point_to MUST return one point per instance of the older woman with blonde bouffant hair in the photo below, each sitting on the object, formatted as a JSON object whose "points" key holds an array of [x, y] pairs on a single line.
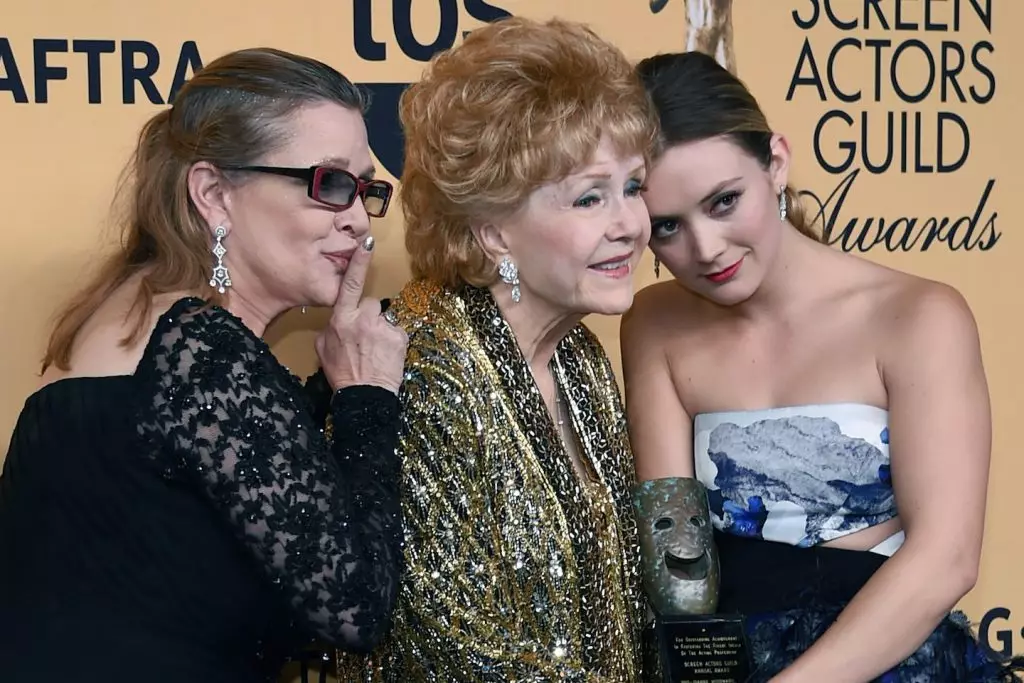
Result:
{"points": [[526, 150]]}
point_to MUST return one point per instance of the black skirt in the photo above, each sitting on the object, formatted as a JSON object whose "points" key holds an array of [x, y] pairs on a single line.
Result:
{"points": [[790, 596]]}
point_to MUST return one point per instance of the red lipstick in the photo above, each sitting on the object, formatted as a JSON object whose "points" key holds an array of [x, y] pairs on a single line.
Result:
{"points": [[726, 274]]}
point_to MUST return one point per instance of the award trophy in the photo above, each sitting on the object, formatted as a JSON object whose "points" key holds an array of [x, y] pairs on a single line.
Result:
{"points": [[680, 577]]}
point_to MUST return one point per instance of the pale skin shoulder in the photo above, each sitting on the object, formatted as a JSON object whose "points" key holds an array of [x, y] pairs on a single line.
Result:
{"points": [[931, 365], [98, 350], [939, 420], [661, 432], [940, 423]]}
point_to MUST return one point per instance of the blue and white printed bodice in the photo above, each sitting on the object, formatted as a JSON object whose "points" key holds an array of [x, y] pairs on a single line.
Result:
{"points": [[800, 475]]}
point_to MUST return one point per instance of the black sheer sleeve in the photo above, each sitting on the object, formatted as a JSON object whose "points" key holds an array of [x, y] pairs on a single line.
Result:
{"points": [[318, 391], [326, 527]]}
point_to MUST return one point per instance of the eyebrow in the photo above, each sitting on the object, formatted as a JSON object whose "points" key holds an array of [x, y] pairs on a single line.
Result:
{"points": [[708, 197], [342, 162], [718, 188], [339, 161], [604, 175]]}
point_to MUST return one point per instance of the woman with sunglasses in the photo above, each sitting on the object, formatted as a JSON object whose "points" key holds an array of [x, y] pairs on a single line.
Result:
{"points": [[169, 503]]}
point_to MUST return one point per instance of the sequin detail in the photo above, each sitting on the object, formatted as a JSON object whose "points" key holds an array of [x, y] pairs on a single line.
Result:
{"points": [[323, 523], [518, 568]]}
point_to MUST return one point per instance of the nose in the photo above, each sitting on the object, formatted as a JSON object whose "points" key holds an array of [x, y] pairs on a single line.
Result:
{"points": [[354, 220], [707, 242], [628, 222]]}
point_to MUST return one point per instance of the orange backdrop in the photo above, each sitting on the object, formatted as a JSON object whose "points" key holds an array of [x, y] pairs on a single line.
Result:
{"points": [[902, 115]]}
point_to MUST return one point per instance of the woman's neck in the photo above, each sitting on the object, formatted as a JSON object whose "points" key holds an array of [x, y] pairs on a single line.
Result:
{"points": [[257, 318], [785, 283], [538, 327]]}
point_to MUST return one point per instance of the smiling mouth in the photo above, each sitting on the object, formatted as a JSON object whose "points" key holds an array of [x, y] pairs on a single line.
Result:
{"points": [[723, 275], [611, 265], [615, 267], [688, 569]]}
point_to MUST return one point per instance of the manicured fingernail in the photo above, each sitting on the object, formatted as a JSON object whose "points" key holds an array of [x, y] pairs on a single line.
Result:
{"points": [[368, 243]]}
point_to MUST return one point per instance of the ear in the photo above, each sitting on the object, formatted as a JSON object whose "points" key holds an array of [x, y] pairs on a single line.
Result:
{"points": [[779, 168], [208, 190], [491, 238]]}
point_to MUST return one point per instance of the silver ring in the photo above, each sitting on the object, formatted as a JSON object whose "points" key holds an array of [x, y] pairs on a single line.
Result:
{"points": [[389, 315]]}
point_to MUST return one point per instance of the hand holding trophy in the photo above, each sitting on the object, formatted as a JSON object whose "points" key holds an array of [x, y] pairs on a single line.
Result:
{"points": [[681, 580]]}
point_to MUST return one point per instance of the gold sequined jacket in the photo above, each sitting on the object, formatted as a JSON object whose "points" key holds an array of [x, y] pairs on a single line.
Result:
{"points": [[517, 570]]}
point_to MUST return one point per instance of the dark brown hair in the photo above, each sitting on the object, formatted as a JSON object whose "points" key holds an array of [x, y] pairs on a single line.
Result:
{"points": [[696, 98], [230, 113]]}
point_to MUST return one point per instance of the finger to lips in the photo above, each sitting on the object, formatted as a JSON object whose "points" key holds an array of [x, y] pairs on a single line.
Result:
{"points": [[351, 290]]}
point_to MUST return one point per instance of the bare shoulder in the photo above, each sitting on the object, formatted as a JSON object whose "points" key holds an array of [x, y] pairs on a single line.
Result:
{"points": [[652, 299], [657, 310], [100, 348], [901, 303], [916, 305], [918, 315]]}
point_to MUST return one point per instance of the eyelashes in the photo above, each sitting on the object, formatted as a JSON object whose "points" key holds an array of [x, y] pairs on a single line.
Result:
{"points": [[721, 206], [664, 229], [632, 189], [725, 202]]}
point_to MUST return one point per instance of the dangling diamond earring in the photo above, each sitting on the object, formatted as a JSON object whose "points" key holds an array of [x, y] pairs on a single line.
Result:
{"points": [[302, 310], [783, 208], [221, 278], [657, 267], [510, 276]]}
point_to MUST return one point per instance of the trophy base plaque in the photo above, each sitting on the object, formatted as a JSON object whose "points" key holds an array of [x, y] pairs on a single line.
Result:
{"points": [[702, 649]]}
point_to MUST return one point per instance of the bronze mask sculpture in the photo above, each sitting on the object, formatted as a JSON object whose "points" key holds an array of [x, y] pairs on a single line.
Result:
{"points": [[680, 563]]}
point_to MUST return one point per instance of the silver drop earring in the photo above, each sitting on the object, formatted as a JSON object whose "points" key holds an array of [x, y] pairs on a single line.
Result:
{"points": [[510, 276], [783, 205], [221, 278], [303, 310], [657, 267]]}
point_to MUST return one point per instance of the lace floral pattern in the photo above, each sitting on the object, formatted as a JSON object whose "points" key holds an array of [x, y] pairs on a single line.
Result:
{"points": [[324, 523]]}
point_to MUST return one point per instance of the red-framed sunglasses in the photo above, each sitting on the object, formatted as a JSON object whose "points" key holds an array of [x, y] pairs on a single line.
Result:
{"points": [[335, 187]]}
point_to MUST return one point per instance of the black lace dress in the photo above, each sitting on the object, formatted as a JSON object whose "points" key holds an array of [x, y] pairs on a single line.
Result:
{"points": [[189, 522]]}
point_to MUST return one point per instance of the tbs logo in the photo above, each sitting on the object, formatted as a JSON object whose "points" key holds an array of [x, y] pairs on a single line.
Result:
{"points": [[382, 124]]}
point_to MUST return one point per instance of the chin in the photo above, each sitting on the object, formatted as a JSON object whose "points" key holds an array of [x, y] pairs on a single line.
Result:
{"points": [[728, 296], [611, 304], [325, 294]]}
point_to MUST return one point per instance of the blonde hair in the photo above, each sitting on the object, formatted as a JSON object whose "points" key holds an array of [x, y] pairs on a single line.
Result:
{"points": [[518, 104]]}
